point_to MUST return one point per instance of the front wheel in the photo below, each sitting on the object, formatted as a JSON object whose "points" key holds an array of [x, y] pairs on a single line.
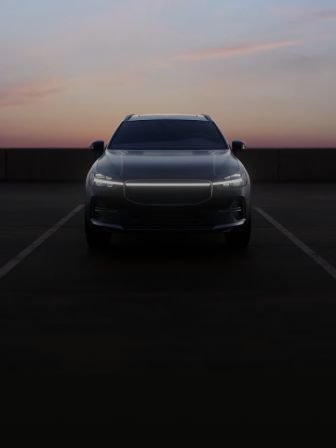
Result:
{"points": [[239, 239], [96, 238]]}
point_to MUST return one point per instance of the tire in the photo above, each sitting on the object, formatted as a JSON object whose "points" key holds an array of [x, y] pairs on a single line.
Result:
{"points": [[96, 239], [239, 239]]}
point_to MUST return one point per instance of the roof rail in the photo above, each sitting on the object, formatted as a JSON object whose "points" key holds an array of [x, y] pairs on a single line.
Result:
{"points": [[128, 117], [207, 117]]}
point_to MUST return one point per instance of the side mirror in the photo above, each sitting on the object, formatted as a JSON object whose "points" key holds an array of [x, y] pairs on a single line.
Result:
{"points": [[98, 147], [238, 145]]}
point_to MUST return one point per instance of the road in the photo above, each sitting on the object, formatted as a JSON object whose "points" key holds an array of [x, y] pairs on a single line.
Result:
{"points": [[168, 304]]}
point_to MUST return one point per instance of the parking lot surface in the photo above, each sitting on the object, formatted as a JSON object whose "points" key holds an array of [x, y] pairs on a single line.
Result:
{"points": [[168, 303]]}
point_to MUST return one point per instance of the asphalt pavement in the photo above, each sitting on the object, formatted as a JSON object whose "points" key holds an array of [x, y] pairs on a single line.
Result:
{"points": [[167, 303]]}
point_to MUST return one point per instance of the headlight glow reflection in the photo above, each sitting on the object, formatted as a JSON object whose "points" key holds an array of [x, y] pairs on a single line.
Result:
{"points": [[235, 180], [99, 180]]}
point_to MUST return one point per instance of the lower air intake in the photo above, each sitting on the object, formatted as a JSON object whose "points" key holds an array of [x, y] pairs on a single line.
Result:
{"points": [[169, 222], [237, 208]]}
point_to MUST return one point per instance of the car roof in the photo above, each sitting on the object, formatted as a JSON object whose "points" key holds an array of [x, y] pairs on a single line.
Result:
{"points": [[134, 117]]}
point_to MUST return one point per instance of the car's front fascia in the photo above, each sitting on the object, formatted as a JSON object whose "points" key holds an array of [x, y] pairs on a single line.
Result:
{"points": [[108, 208]]}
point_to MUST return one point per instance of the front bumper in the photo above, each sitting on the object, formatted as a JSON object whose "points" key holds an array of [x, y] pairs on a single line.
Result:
{"points": [[224, 211], [231, 215], [154, 227]]}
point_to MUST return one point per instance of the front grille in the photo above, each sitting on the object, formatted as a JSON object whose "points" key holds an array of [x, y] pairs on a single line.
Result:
{"points": [[168, 192], [169, 222]]}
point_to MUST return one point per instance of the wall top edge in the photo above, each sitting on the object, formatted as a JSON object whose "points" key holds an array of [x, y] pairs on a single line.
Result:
{"points": [[248, 149], [45, 149]]}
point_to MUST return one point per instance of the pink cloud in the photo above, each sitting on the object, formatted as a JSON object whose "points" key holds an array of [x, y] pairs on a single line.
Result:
{"points": [[21, 93], [239, 50]]}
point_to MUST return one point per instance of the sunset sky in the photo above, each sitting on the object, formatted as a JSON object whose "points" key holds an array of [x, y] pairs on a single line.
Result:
{"points": [[71, 70]]}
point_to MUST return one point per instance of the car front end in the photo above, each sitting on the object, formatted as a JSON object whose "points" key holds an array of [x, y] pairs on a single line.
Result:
{"points": [[167, 189]]}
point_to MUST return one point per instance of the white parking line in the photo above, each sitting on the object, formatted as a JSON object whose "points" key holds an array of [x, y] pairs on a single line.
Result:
{"points": [[319, 260], [16, 260]]}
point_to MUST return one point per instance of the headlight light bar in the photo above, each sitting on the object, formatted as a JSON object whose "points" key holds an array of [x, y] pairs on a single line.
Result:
{"points": [[99, 180], [235, 180]]}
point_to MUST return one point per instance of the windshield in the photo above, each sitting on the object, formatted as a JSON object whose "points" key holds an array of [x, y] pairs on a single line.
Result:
{"points": [[168, 134]]}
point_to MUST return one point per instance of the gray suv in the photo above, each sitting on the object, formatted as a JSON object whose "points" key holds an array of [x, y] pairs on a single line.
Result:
{"points": [[167, 173]]}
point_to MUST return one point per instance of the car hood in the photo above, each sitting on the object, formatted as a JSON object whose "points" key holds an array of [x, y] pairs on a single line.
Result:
{"points": [[167, 164]]}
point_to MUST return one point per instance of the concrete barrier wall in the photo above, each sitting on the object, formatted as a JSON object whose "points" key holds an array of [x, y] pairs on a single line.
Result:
{"points": [[48, 164], [2, 164], [307, 164], [261, 164], [72, 164]]}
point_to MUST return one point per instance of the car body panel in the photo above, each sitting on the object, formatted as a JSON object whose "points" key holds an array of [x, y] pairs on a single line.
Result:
{"points": [[168, 190], [167, 116], [171, 164]]}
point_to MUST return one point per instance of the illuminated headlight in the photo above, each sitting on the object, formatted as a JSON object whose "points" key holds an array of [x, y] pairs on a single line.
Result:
{"points": [[236, 180], [99, 180]]}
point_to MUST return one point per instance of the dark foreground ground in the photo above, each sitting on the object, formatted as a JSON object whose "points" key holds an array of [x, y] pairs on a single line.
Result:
{"points": [[176, 304]]}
